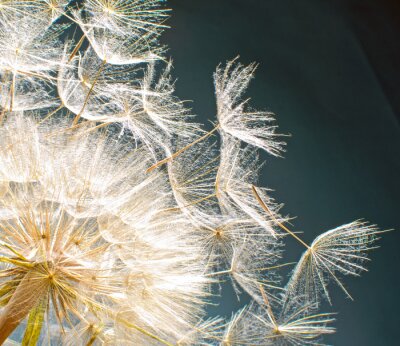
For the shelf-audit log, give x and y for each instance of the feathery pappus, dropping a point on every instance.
(87, 241)
(120, 216)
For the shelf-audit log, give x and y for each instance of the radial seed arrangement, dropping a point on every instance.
(120, 216)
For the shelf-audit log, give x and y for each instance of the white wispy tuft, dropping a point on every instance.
(235, 117)
(342, 250)
(257, 325)
(123, 32)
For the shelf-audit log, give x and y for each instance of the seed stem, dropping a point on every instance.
(265, 207)
(78, 116)
(180, 151)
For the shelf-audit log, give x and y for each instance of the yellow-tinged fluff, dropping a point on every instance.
(91, 233)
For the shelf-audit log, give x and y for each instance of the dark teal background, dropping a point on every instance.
(329, 70)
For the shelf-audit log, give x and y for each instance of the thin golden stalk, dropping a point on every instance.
(143, 331)
(265, 207)
(12, 91)
(89, 92)
(48, 116)
(180, 151)
(78, 45)
(269, 309)
(197, 201)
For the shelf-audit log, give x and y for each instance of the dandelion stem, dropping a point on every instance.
(12, 92)
(269, 309)
(265, 207)
(48, 116)
(197, 201)
(78, 45)
(89, 92)
(180, 151)
(228, 271)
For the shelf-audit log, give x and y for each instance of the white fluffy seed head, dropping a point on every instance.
(119, 215)
(88, 224)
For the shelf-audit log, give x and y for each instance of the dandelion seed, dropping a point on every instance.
(192, 176)
(123, 32)
(341, 250)
(29, 58)
(100, 92)
(234, 121)
(42, 12)
(253, 127)
(236, 174)
(257, 325)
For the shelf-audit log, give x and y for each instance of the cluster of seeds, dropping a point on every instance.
(119, 215)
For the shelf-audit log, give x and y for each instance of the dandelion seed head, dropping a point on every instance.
(120, 216)
(95, 243)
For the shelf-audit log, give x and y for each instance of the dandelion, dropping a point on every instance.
(120, 216)
(79, 244)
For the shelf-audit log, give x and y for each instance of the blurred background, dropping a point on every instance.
(329, 71)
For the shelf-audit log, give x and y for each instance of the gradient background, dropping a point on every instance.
(328, 69)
